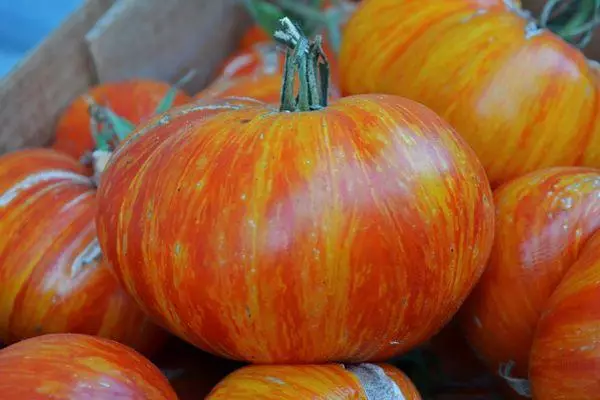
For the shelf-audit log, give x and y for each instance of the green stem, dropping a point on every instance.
(308, 60)
(311, 15)
(573, 20)
(287, 89)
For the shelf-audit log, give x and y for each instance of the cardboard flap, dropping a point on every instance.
(164, 39)
(50, 77)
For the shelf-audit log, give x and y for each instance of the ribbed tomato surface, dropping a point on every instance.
(53, 277)
(68, 366)
(349, 233)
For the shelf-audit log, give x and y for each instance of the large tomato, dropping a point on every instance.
(52, 275)
(521, 96)
(70, 366)
(542, 221)
(349, 232)
(565, 357)
(134, 100)
(332, 382)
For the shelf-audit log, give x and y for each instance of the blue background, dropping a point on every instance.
(24, 23)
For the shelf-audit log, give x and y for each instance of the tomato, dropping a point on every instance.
(135, 100)
(71, 366)
(251, 54)
(52, 275)
(542, 221)
(254, 35)
(343, 232)
(263, 87)
(262, 58)
(192, 373)
(565, 356)
(521, 96)
(333, 382)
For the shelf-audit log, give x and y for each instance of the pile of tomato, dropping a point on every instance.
(379, 200)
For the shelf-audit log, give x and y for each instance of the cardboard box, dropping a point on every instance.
(107, 40)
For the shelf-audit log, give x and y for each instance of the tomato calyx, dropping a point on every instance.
(308, 60)
(574, 21)
(109, 129)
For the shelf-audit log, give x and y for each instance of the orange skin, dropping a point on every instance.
(281, 248)
(263, 87)
(72, 366)
(522, 99)
(292, 382)
(255, 34)
(47, 210)
(135, 100)
(565, 357)
(542, 221)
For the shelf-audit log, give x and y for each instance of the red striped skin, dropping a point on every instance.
(565, 357)
(287, 382)
(135, 100)
(46, 225)
(266, 236)
(476, 64)
(70, 366)
(542, 221)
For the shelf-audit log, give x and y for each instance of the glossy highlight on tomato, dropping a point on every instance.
(262, 58)
(70, 366)
(522, 97)
(543, 220)
(53, 277)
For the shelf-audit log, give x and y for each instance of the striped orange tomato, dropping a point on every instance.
(565, 356)
(52, 275)
(332, 382)
(543, 219)
(343, 232)
(263, 87)
(135, 100)
(522, 97)
(70, 366)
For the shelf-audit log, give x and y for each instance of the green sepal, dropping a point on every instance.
(167, 102)
(265, 14)
(119, 125)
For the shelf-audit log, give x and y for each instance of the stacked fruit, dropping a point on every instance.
(322, 211)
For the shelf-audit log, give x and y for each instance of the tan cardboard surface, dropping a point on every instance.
(46, 80)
